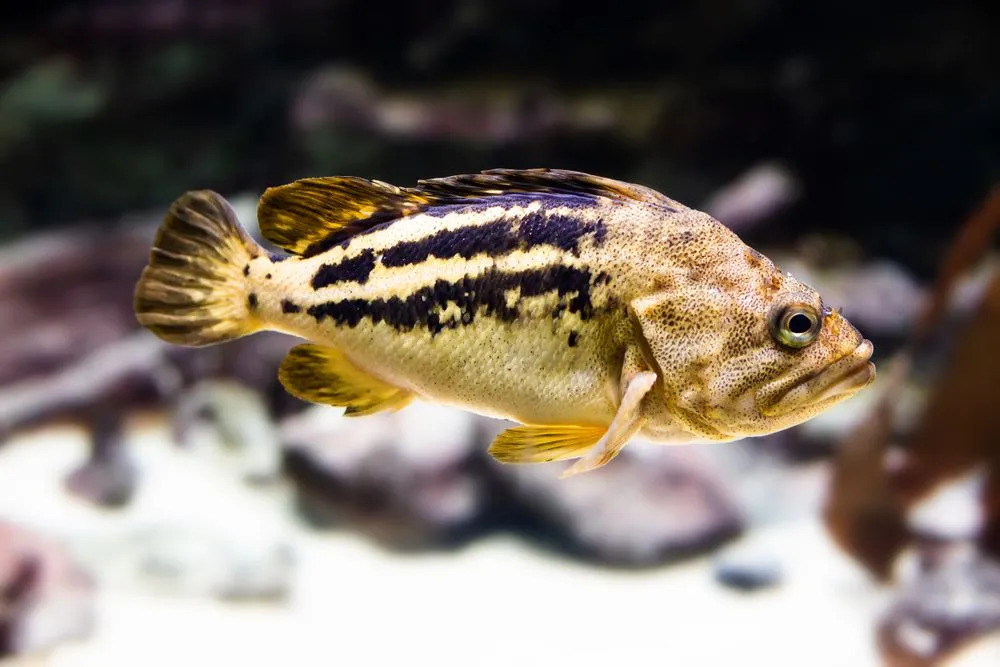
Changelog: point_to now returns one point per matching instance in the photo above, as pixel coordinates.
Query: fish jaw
(808, 396)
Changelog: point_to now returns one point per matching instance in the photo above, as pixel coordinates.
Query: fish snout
(848, 374)
(830, 384)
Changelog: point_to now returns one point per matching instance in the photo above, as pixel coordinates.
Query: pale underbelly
(526, 370)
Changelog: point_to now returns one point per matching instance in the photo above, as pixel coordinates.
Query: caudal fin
(195, 290)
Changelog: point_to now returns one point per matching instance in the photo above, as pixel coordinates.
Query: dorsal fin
(495, 182)
(312, 215)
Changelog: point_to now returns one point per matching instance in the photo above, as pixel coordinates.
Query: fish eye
(795, 324)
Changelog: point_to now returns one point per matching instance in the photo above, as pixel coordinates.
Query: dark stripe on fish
(382, 219)
(561, 231)
(497, 238)
(355, 269)
(485, 294)
(288, 307)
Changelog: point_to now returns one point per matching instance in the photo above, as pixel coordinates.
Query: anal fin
(324, 375)
(537, 444)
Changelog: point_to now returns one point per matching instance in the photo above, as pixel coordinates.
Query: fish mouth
(860, 373)
(832, 383)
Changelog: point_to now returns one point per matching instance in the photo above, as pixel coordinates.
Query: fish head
(743, 349)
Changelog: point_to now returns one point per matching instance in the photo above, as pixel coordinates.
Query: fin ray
(538, 444)
(193, 291)
(311, 215)
(494, 182)
(325, 375)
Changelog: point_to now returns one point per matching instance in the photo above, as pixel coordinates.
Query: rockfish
(587, 309)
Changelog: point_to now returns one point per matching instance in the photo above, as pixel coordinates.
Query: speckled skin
(682, 297)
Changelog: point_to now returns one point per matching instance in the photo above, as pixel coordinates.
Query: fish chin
(814, 393)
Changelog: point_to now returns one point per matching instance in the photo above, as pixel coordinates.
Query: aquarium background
(160, 504)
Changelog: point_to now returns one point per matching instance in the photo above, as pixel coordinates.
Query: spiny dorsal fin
(494, 182)
(324, 375)
(538, 444)
(312, 215)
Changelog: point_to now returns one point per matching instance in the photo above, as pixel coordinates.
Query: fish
(586, 309)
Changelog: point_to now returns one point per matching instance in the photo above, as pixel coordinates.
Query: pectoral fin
(626, 422)
(324, 375)
(538, 444)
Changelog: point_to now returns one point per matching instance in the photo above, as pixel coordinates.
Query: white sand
(498, 602)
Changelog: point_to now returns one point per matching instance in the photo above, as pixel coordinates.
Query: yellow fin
(537, 444)
(194, 290)
(324, 375)
(312, 215)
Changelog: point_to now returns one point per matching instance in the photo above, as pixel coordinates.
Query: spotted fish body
(587, 309)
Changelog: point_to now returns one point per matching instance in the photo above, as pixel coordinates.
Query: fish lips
(834, 382)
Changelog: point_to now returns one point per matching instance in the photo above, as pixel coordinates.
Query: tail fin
(194, 290)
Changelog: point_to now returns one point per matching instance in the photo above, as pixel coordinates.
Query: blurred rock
(942, 610)
(972, 287)
(407, 479)
(229, 422)
(81, 302)
(758, 194)
(952, 511)
(747, 565)
(76, 353)
(45, 598)
(879, 297)
(649, 505)
(109, 476)
(200, 561)
(980, 652)
(70, 351)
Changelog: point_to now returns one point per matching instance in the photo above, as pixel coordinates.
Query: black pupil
(799, 323)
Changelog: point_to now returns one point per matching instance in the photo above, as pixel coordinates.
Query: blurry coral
(930, 483)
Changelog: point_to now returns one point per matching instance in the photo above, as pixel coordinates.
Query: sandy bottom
(493, 603)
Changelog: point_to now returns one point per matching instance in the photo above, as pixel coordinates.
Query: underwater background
(162, 504)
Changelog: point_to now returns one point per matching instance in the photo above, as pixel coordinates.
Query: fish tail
(195, 290)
